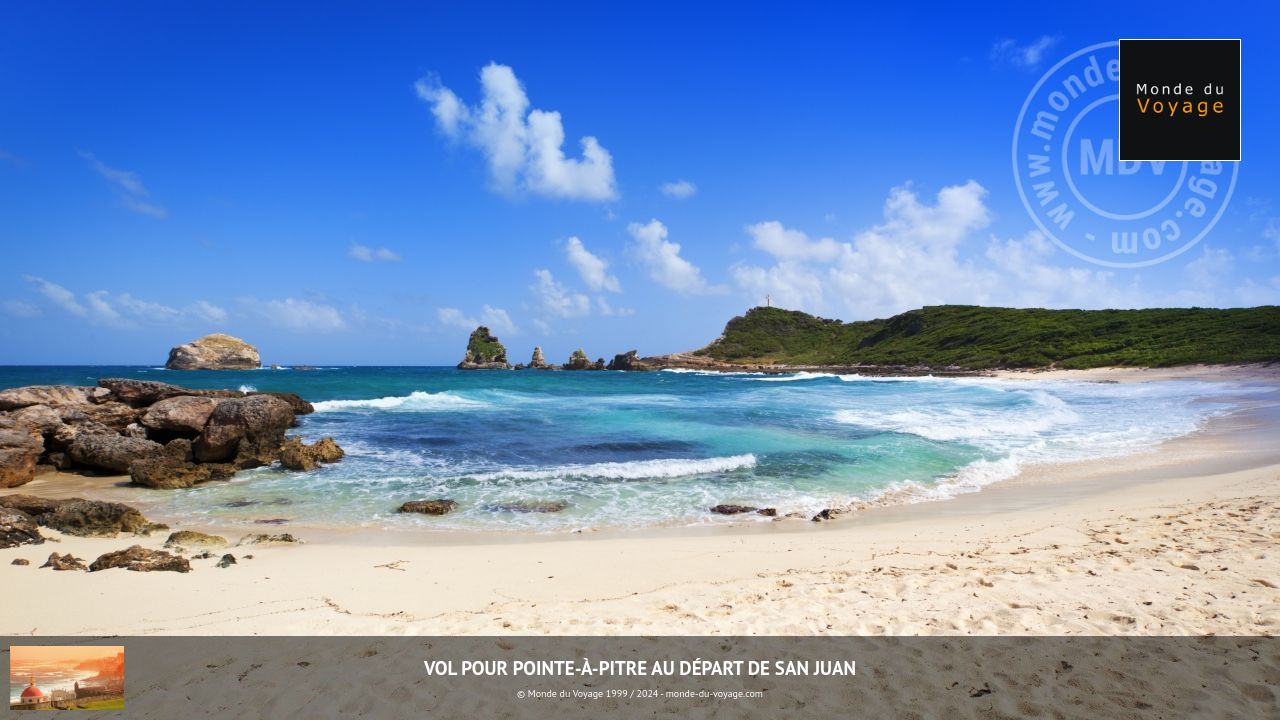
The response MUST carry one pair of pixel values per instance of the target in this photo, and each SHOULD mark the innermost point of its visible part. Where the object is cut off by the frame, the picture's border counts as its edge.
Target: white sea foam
(946, 424)
(417, 401)
(248, 389)
(633, 470)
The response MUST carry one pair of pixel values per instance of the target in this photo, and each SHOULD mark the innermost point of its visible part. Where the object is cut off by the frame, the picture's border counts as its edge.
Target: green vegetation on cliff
(483, 347)
(987, 337)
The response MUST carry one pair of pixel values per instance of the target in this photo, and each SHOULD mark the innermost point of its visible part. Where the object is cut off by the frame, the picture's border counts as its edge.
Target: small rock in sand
(140, 559)
(227, 560)
(64, 562)
(263, 539)
(20, 561)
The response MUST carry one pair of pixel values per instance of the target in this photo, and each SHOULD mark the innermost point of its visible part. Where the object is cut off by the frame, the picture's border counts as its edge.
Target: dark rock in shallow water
(733, 509)
(529, 506)
(272, 521)
(111, 452)
(17, 528)
(295, 455)
(140, 559)
(64, 562)
(441, 506)
(828, 514)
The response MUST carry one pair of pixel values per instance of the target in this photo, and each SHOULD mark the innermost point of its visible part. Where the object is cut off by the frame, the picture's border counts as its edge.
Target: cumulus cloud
(496, 319)
(679, 189)
(1027, 56)
(524, 147)
(123, 309)
(364, 253)
(661, 258)
(786, 244)
(299, 315)
(128, 187)
(552, 299)
(593, 270)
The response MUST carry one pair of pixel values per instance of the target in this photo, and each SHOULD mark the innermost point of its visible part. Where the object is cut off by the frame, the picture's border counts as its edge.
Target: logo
(1071, 180)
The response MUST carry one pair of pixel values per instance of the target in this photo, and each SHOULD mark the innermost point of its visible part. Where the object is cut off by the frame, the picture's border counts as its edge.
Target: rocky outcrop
(484, 352)
(629, 361)
(245, 431)
(538, 362)
(578, 361)
(191, 538)
(296, 455)
(77, 516)
(264, 539)
(17, 528)
(111, 452)
(64, 562)
(442, 506)
(140, 559)
(214, 352)
(184, 415)
(163, 435)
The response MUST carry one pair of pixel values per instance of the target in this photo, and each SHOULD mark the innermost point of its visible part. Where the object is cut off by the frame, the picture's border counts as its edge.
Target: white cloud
(123, 309)
(785, 244)
(1027, 56)
(300, 315)
(591, 268)
(128, 186)
(57, 294)
(496, 319)
(524, 147)
(553, 299)
(662, 259)
(606, 309)
(364, 253)
(679, 189)
(20, 309)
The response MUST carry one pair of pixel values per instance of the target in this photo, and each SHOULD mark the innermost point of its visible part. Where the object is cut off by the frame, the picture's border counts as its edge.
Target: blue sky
(323, 180)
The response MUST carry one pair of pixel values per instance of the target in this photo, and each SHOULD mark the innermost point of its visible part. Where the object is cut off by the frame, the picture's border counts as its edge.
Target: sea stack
(214, 352)
(538, 362)
(484, 352)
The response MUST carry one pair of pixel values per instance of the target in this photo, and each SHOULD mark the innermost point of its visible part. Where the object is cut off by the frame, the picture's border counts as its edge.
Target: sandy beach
(1177, 540)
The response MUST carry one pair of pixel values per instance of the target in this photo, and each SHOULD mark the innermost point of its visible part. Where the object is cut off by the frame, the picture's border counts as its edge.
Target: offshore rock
(484, 352)
(538, 362)
(629, 361)
(442, 506)
(214, 352)
(578, 361)
(296, 455)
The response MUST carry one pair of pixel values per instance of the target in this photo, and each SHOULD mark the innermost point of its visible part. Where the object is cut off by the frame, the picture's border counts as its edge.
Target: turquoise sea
(658, 448)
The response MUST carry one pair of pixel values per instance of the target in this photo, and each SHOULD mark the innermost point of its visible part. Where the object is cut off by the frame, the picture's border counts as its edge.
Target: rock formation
(64, 562)
(191, 538)
(140, 559)
(77, 516)
(17, 528)
(538, 362)
(295, 455)
(442, 506)
(629, 361)
(484, 352)
(578, 361)
(164, 436)
(214, 352)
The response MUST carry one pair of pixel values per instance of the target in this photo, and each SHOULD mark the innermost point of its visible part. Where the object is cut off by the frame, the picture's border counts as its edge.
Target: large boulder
(20, 448)
(140, 393)
(184, 415)
(300, 406)
(164, 472)
(54, 396)
(96, 518)
(214, 352)
(247, 431)
(41, 418)
(140, 559)
(296, 455)
(115, 415)
(191, 538)
(17, 528)
(484, 352)
(29, 504)
(111, 452)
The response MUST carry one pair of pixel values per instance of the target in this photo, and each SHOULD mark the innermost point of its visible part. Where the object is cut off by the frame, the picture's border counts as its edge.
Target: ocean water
(657, 448)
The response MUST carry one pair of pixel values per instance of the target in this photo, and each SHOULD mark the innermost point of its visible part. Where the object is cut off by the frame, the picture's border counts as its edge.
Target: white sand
(1177, 541)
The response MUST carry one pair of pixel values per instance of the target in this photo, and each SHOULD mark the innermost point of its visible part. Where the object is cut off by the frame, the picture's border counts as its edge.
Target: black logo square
(1180, 100)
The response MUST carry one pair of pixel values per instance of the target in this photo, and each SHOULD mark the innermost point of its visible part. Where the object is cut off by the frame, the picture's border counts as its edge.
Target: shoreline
(1094, 547)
